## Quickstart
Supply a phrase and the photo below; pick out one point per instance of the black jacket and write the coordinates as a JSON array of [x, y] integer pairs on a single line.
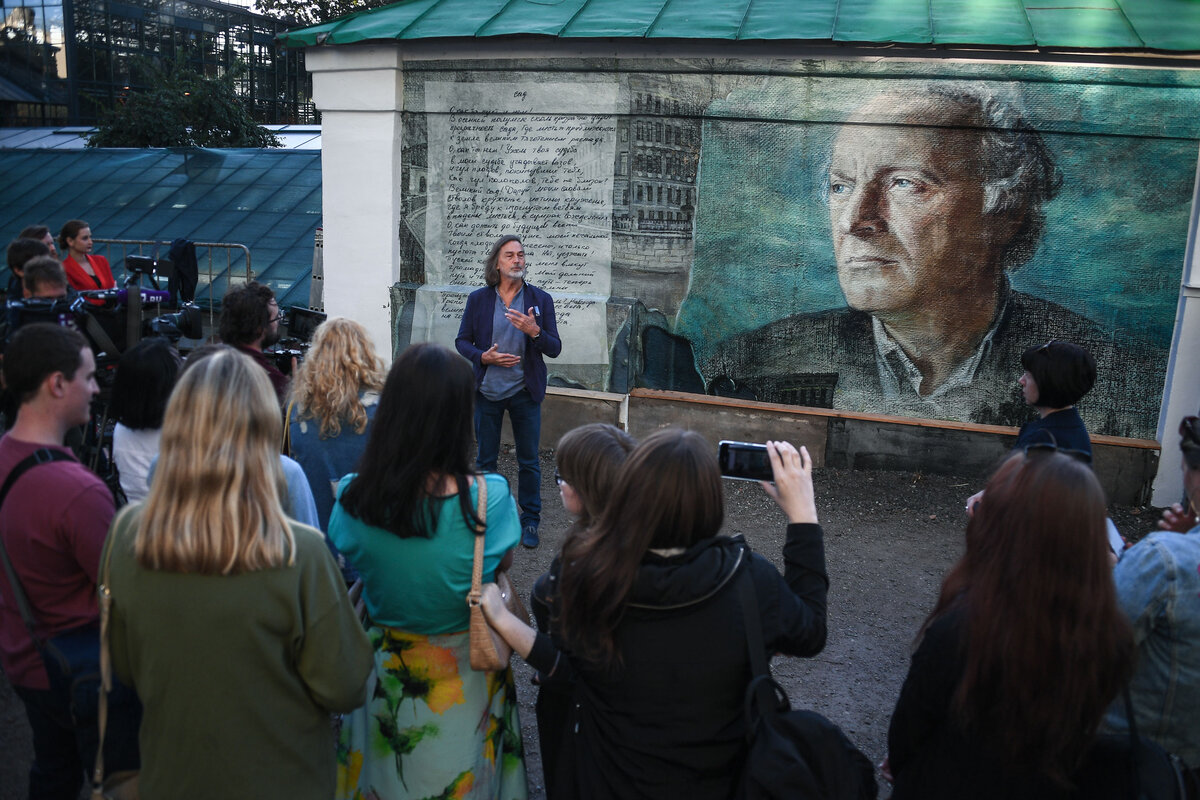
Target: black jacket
[[668, 722], [934, 758]]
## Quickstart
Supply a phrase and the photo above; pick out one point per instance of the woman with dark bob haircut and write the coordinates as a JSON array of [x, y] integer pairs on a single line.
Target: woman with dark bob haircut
[[146, 374], [649, 612], [1057, 376], [1023, 652], [432, 726]]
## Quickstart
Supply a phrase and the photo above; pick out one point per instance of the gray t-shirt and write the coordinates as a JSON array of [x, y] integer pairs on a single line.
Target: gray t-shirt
[[503, 382]]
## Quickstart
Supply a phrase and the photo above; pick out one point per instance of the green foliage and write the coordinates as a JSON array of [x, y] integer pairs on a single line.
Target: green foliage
[[182, 108], [304, 13]]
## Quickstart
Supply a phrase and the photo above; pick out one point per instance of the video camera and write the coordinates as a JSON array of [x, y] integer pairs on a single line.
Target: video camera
[[301, 323]]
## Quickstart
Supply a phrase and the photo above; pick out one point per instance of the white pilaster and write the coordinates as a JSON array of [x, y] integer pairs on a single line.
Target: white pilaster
[[1181, 394], [360, 93]]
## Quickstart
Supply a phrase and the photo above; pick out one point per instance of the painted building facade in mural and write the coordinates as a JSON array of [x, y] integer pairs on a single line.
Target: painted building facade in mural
[[882, 238]]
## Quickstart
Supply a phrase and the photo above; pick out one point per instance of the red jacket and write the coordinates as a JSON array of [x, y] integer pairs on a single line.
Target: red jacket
[[83, 282]]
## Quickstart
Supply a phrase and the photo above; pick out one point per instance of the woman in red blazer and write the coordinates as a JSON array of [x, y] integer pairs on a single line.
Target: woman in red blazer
[[85, 271]]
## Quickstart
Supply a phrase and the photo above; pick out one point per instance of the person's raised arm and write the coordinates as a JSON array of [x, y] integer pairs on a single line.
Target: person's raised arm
[[794, 610], [792, 488]]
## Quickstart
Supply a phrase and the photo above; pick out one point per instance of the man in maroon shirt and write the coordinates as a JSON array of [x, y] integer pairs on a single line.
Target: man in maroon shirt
[[250, 322], [53, 523]]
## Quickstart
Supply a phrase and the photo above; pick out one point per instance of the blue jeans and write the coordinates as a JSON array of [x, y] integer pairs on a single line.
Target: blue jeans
[[526, 418]]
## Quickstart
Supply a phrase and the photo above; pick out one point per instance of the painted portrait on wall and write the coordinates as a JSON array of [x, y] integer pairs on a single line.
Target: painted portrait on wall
[[872, 236], [909, 250]]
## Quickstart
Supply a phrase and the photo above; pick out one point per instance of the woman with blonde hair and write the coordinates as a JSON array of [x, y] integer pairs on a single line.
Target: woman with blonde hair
[[333, 397], [229, 619]]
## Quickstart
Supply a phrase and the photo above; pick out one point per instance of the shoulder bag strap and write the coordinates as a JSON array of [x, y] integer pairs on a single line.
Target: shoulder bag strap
[[43, 455], [763, 694], [476, 595], [286, 449], [99, 336], [105, 653], [754, 637]]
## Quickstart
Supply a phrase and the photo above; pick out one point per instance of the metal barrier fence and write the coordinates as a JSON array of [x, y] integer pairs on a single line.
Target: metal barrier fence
[[206, 281]]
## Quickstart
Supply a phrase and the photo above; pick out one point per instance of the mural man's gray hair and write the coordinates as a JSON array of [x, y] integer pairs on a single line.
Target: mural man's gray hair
[[1019, 173]]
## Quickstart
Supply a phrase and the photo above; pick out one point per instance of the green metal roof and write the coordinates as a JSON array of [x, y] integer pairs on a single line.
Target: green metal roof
[[268, 200], [1155, 25]]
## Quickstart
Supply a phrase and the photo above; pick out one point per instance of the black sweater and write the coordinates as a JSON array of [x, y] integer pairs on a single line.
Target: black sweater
[[668, 722]]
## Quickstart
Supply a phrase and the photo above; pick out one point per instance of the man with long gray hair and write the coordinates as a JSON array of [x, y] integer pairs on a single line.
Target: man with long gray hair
[[507, 327]]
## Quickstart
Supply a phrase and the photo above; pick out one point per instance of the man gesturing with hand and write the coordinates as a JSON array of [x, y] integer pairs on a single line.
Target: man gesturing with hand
[[506, 329]]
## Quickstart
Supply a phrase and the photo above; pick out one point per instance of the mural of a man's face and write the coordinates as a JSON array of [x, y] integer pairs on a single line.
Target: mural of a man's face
[[906, 209]]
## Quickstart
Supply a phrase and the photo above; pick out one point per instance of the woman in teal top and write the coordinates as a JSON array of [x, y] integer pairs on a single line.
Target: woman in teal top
[[432, 726]]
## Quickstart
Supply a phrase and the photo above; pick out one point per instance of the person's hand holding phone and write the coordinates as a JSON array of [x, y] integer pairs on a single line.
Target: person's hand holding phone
[[792, 487]]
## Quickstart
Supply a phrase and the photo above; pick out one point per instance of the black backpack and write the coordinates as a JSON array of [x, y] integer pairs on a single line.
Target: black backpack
[[799, 755]]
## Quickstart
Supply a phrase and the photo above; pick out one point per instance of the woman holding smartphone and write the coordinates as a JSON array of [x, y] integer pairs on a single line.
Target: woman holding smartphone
[[649, 592]]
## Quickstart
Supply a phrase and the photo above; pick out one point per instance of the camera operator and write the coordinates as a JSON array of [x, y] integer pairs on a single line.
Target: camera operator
[[250, 322], [44, 280], [19, 251]]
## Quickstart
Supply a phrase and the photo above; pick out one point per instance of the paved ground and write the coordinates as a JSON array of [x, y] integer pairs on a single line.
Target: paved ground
[[889, 538]]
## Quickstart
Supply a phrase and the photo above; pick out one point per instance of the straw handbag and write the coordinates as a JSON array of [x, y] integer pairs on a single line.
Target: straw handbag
[[489, 651]]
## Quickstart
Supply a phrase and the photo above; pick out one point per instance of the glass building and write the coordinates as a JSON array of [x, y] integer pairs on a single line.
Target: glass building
[[63, 62]]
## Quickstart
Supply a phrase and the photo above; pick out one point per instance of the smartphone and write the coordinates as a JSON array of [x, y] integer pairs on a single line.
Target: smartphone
[[744, 461]]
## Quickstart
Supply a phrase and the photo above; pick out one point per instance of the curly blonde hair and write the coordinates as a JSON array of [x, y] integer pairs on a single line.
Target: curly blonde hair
[[341, 364]]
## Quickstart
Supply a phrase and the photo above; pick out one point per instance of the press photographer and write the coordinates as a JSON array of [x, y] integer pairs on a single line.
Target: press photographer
[[250, 318]]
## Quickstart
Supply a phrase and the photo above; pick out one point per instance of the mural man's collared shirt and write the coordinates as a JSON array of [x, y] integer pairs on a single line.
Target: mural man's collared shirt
[[501, 382], [900, 379]]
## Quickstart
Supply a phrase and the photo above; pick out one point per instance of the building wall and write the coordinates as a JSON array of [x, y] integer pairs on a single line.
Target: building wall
[[746, 288]]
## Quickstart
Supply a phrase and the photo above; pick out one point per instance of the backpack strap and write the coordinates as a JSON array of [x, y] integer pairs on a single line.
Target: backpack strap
[[42, 455]]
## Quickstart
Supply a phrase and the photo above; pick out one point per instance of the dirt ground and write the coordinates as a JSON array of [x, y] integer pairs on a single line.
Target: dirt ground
[[889, 538]]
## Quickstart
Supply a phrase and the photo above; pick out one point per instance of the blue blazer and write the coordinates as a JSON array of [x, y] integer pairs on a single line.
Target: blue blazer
[[475, 336]]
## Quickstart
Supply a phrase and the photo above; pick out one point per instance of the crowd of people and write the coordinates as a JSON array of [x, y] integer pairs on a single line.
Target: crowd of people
[[260, 506]]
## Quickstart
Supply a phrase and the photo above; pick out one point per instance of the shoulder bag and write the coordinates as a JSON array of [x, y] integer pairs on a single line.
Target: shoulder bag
[[489, 651], [119, 785], [1154, 773], [792, 754]]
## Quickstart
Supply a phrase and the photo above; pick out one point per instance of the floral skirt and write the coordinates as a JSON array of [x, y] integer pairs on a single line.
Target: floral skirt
[[432, 726]]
